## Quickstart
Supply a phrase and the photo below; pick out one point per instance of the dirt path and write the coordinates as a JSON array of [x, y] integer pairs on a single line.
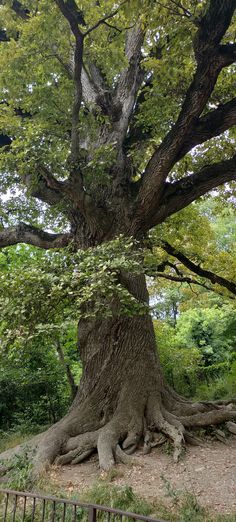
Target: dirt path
[[208, 472]]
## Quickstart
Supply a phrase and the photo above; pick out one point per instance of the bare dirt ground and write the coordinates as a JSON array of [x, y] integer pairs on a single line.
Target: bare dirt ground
[[208, 472]]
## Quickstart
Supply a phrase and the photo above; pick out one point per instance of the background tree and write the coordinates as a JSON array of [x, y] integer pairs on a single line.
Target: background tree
[[101, 108]]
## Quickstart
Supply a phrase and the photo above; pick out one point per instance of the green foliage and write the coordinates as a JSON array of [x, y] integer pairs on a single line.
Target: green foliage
[[195, 328], [180, 365], [33, 386], [44, 294], [198, 354], [59, 287], [118, 498], [10, 439], [223, 387], [205, 233], [211, 330], [20, 475]]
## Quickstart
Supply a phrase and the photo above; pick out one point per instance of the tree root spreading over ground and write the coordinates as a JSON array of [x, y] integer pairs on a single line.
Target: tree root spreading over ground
[[120, 437]]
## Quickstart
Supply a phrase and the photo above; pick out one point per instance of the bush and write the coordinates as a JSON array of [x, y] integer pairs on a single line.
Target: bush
[[180, 364], [221, 388]]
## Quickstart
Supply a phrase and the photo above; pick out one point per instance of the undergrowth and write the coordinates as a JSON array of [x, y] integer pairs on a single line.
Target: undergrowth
[[10, 439], [183, 506]]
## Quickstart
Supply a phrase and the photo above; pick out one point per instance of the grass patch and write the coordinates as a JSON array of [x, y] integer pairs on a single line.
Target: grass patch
[[184, 506], [10, 439], [118, 498]]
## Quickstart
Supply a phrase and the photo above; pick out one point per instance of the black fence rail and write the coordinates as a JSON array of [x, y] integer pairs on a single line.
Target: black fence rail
[[18, 506]]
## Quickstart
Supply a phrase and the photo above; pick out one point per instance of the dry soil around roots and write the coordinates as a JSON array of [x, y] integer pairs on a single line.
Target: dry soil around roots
[[208, 472]]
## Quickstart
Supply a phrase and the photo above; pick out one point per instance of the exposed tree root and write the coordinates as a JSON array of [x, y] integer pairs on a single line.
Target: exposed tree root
[[193, 440], [231, 427], [208, 418], [118, 439], [122, 456]]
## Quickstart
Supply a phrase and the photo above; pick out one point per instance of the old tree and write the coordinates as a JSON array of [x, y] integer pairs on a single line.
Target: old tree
[[114, 117]]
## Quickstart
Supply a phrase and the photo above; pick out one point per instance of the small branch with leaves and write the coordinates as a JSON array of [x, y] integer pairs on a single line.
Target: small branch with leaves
[[104, 19], [197, 269]]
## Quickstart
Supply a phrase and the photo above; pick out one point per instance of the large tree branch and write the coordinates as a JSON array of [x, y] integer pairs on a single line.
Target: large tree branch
[[31, 235], [197, 269], [213, 124], [74, 16], [44, 186], [180, 194], [96, 92], [78, 61], [74, 184], [210, 61], [89, 88], [117, 105], [213, 26], [130, 79], [90, 84]]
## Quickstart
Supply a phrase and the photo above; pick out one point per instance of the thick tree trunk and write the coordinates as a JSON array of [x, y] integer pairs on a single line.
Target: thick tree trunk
[[122, 399], [120, 375]]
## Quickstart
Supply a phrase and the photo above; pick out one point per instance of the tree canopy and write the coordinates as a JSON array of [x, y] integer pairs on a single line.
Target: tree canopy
[[105, 102]]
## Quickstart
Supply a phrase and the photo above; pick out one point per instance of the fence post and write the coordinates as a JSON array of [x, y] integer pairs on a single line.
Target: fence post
[[92, 514]]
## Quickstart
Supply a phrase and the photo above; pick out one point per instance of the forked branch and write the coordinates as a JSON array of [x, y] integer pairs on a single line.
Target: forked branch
[[105, 18], [211, 125], [44, 187]]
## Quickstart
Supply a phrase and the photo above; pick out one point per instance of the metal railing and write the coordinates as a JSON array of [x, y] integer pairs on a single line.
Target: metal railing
[[18, 506]]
